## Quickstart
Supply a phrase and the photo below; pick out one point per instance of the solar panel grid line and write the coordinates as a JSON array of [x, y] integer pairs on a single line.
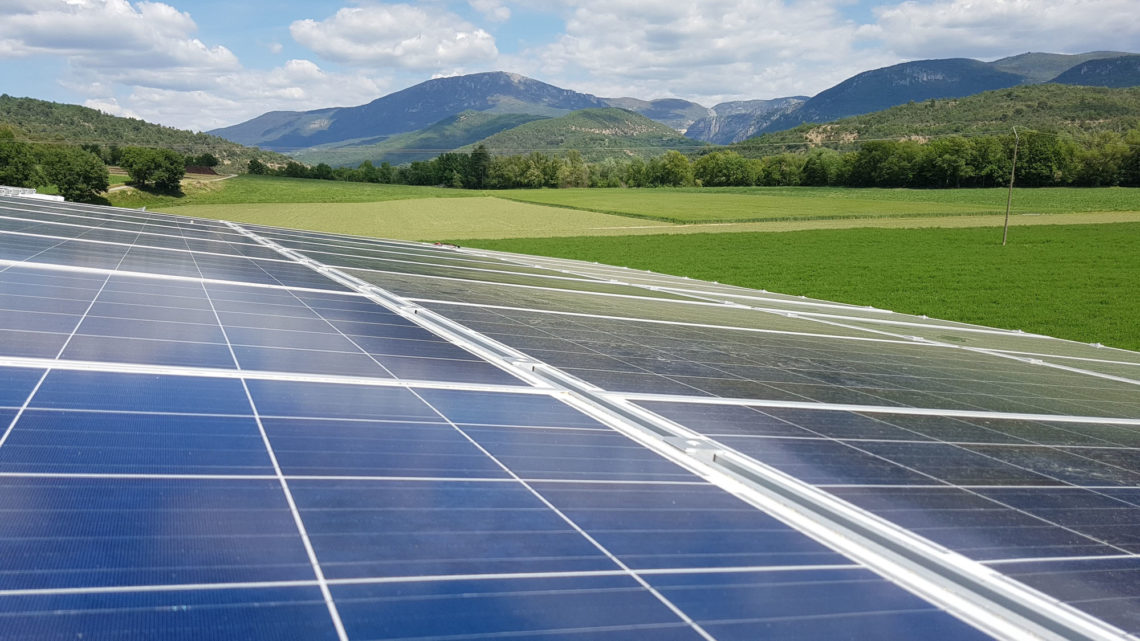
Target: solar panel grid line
[[80, 239], [989, 352], [1077, 616], [849, 443], [1063, 559], [964, 604], [48, 368], [1074, 358], [334, 614], [8, 263], [593, 541], [871, 409], [1040, 615], [951, 599], [755, 330], [420, 316], [955, 327], [498, 354], [519, 363], [207, 372]]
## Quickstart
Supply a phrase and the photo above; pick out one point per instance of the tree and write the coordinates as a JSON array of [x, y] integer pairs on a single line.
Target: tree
[[675, 170], [78, 174], [18, 166], [479, 167], [257, 168], [821, 168], [1044, 159], [573, 171], [1102, 160], [721, 169], [322, 171], [162, 168], [1130, 167], [945, 162]]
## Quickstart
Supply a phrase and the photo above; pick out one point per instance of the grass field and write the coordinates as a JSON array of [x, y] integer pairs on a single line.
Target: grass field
[[1072, 281], [424, 218], [266, 189], [801, 203]]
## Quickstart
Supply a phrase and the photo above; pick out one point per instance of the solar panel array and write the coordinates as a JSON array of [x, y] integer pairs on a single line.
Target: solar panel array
[[234, 431]]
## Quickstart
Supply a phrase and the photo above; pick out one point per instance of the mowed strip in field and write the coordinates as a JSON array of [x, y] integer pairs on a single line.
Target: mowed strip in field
[[770, 204]]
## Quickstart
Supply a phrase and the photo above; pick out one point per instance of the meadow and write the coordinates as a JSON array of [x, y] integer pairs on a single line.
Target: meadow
[[764, 204], [1080, 282]]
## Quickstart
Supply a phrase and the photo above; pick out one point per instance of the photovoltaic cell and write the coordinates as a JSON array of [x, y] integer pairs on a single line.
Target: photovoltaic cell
[[262, 495]]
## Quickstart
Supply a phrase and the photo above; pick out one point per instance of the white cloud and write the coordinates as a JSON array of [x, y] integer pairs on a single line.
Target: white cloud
[[493, 10], [298, 85], [276, 48], [951, 28], [709, 51], [142, 60], [397, 35], [110, 36], [110, 106]]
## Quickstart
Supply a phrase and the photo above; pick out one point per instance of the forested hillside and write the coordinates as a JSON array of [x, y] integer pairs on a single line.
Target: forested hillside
[[50, 122], [1074, 111]]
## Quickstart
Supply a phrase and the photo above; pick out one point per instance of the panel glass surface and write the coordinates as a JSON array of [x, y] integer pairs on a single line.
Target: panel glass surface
[[230, 443]]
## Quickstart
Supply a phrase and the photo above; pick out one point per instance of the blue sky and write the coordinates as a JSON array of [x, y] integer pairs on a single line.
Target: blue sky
[[201, 64]]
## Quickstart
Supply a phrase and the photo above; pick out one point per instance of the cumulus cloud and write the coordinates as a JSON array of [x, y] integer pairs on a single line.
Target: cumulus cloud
[[109, 35], [143, 60], [708, 50], [398, 35], [298, 85], [1000, 27], [110, 106], [493, 10]]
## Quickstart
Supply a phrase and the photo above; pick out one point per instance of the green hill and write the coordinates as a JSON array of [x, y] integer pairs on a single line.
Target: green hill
[[51, 122], [1059, 108], [425, 144], [597, 133]]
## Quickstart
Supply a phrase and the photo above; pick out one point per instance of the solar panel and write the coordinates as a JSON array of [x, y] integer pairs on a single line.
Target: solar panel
[[229, 431]]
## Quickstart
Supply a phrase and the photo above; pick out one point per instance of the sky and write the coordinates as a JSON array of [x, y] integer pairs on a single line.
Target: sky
[[203, 64]]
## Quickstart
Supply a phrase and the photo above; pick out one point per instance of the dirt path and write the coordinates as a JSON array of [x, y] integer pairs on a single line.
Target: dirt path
[[184, 181]]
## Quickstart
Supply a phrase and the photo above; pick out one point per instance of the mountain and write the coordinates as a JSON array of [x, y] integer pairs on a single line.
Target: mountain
[[896, 85], [1121, 71], [732, 122], [409, 110], [425, 144], [597, 133], [678, 114], [42, 121], [1038, 67], [1049, 107]]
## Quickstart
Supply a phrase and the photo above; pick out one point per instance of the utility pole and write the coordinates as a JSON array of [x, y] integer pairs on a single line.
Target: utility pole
[[1009, 198]]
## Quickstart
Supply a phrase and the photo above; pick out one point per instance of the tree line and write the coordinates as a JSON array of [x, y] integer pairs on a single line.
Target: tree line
[[1044, 160], [81, 173]]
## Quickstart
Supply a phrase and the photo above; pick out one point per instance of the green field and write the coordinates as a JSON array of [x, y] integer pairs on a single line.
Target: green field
[[423, 218], [746, 204], [1072, 281], [1080, 282], [248, 189]]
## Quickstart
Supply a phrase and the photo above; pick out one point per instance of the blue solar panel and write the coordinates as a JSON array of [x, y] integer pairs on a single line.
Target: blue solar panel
[[228, 443]]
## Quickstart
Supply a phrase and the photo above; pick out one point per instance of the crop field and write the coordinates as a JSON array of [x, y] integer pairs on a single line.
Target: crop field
[[1080, 282], [760, 204], [424, 218], [265, 189]]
